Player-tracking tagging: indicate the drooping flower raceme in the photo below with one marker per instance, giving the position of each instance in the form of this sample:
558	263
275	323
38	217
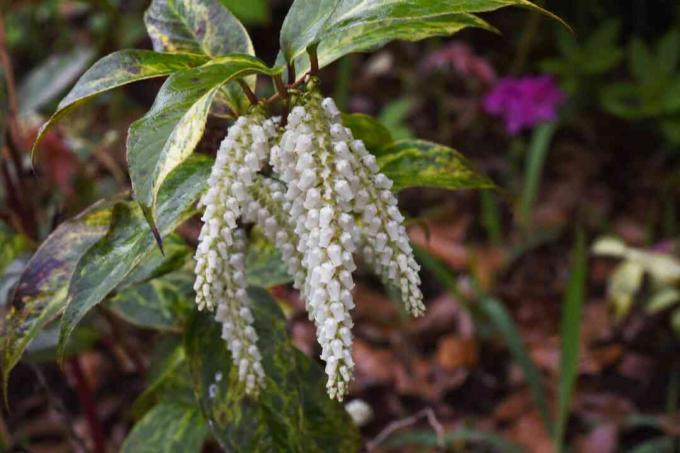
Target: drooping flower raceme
326	196
326	232
220	273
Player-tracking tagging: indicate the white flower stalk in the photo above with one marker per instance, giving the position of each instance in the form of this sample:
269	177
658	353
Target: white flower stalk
269	209
241	154
387	246
220	279
321	210
233	311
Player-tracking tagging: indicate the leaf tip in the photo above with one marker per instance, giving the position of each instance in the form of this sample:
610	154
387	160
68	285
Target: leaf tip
148	212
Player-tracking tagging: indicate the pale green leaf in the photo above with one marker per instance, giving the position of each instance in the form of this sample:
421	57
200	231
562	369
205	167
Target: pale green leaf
623	284
662	299
609	246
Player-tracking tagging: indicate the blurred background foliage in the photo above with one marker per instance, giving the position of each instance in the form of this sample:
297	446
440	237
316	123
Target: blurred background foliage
535	336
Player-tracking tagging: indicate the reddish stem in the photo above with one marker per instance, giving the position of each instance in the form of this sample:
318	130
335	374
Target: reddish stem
88	404
248	92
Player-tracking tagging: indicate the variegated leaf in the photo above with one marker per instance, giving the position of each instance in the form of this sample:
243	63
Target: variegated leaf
108	262
169	132
418	163
115	70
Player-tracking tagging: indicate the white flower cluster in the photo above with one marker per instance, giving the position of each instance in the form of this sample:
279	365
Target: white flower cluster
220	269
321	209
325	198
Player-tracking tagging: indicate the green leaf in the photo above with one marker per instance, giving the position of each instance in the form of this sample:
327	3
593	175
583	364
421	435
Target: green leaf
162	303
395	115
168	427
40	294
264	264
418	163
165	376
53	76
169	132
570	327
157	264
196	26
115	70
367	129
204	27
292	413
252	12
127	242
340	27
668	53
641	60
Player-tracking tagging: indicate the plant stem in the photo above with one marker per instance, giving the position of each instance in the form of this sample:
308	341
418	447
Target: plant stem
248	92
313	61
89	407
291	72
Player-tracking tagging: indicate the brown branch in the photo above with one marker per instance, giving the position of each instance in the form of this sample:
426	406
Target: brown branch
426	413
89	407
278	95
248	92
291	71
313	61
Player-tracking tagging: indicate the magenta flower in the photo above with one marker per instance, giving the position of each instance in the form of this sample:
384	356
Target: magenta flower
524	102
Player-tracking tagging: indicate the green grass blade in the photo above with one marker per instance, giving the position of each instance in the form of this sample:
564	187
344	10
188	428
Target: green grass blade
490	216
538	152
572	307
503	323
